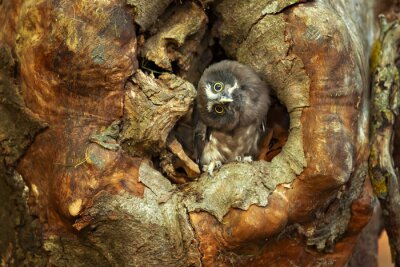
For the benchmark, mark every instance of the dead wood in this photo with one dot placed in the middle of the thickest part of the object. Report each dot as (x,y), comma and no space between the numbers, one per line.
(152,108)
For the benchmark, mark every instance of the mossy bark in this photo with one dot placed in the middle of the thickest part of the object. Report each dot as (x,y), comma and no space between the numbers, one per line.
(384,108)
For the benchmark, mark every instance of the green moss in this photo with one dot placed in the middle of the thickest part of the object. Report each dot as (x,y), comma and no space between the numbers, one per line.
(378,184)
(375,55)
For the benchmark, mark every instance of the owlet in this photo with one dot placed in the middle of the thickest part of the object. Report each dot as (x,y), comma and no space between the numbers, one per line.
(232,104)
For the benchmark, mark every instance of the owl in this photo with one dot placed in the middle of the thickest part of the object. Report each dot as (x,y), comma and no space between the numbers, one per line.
(232,104)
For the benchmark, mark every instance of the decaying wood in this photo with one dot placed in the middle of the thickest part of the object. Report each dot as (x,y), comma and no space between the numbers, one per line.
(176,159)
(186,21)
(92,174)
(273,143)
(152,107)
(384,108)
(147,12)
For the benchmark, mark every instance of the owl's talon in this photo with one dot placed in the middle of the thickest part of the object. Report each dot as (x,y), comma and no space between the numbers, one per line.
(247,159)
(210,168)
(204,168)
(238,158)
(218,164)
(214,165)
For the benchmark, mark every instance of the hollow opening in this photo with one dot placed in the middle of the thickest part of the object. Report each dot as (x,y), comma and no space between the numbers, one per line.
(182,138)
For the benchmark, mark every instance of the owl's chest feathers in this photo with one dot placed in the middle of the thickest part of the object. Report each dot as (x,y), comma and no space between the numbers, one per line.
(226,147)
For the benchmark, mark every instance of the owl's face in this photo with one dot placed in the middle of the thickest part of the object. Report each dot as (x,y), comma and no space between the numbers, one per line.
(219,100)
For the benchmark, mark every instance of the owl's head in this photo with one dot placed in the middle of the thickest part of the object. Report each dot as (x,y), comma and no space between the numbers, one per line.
(230,94)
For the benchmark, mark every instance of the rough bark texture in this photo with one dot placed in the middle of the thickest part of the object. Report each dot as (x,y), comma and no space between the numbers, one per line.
(83,129)
(20,236)
(385,106)
(152,107)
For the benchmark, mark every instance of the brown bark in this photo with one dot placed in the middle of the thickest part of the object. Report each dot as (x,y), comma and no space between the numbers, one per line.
(110,79)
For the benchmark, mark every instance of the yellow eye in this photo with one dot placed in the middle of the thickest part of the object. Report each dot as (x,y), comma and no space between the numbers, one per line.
(219,109)
(218,86)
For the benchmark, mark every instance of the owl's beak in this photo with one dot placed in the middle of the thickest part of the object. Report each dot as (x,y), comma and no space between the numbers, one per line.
(225,99)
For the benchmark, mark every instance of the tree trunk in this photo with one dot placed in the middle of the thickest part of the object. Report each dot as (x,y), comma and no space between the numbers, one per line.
(94,94)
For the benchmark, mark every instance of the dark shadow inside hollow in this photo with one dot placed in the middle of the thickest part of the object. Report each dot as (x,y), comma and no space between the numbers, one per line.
(149,67)
(396,133)
(396,143)
(277,130)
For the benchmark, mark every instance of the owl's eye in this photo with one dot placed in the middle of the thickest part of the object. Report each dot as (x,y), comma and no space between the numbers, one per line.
(219,109)
(218,86)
